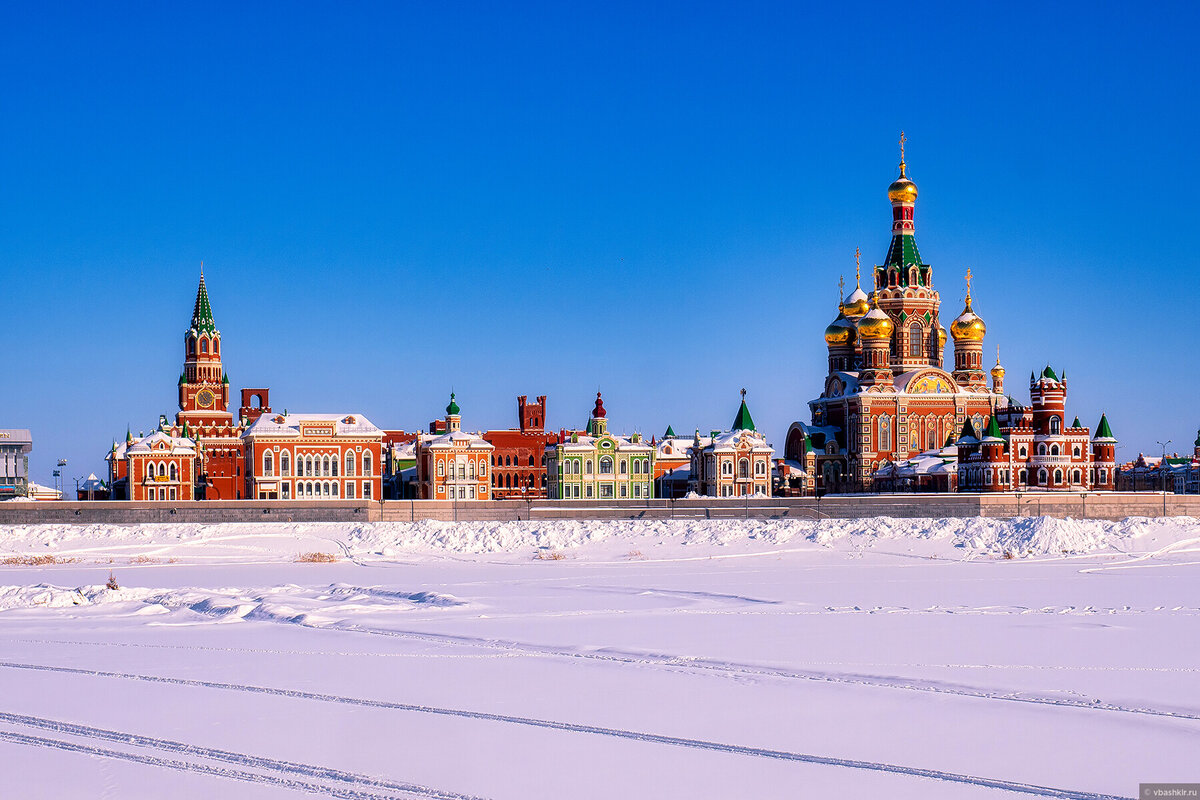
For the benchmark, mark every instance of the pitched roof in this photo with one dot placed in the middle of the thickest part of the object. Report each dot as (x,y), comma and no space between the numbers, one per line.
(743,421)
(968,433)
(993,429)
(1049,373)
(202,316)
(670,434)
(1103,431)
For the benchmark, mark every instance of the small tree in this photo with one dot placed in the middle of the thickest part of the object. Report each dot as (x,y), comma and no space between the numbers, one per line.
(112,582)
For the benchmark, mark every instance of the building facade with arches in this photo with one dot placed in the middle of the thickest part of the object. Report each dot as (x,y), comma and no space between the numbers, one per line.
(1034,449)
(313,457)
(888,396)
(518,455)
(597,465)
(733,463)
(453,465)
(160,467)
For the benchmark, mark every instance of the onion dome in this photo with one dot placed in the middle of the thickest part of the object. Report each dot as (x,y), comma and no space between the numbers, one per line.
(902,189)
(856,304)
(968,327)
(941,332)
(997,371)
(598,412)
(875,325)
(453,408)
(840,332)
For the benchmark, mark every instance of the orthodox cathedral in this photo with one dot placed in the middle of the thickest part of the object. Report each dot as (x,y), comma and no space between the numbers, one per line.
(887,396)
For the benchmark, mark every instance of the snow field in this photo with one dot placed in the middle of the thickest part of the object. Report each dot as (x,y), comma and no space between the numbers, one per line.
(732,658)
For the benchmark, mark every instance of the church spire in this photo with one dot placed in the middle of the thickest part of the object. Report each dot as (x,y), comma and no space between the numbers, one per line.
(903,252)
(202,316)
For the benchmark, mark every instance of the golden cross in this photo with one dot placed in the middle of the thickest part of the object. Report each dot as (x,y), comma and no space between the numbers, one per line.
(841,287)
(903,139)
(857,274)
(968,281)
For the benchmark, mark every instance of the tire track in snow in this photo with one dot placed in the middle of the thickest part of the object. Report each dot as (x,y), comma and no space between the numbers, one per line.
(344,793)
(639,736)
(634,658)
(238,759)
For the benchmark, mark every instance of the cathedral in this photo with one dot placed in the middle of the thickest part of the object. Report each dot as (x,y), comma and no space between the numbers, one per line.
(887,395)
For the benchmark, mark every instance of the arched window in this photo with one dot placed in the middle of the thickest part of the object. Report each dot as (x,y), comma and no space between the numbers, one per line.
(441,468)
(726,467)
(1023,476)
(367,464)
(916,341)
(333,465)
(760,468)
(268,464)
(885,433)
(624,466)
(1104,476)
(333,489)
(531,461)
(587,469)
(1076,451)
(162,468)
(462,471)
(1043,476)
(606,465)
(1041,449)
(349,464)
(204,345)
(508,481)
(1058,476)
(1053,449)
(744,468)
(1076,476)
(482,468)
(1055,424)
(285,464)
(508,461)
(150,469)
(471,469)
(1023,452)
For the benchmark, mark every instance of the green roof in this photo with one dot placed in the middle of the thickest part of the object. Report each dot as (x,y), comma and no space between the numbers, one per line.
(453,407)
(1075,424)
(202,316)
(1102,430)
(968,430)
(903,252)
(670,434)
(993,427)
(743,421)
(1049,373)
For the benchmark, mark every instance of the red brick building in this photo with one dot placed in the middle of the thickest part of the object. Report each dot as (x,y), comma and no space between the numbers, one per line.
(518,466)
(313,457)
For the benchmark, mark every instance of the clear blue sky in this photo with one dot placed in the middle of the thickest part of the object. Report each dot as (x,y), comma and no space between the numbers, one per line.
(395,199)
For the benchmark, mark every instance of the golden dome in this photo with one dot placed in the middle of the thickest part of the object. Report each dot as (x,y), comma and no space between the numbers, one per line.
(997,371)
(857,304)
(902,189)
(968,327)
(840,332)
(941,337)
(876,325)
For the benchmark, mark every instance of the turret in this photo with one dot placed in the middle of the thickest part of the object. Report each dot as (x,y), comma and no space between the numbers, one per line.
(1104,455)
(875,332)
(453,417)
(998,375)
(1048,397)
(968,330)
(598,424)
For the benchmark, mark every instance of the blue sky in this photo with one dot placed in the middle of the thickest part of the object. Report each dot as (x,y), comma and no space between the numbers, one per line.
(395,199)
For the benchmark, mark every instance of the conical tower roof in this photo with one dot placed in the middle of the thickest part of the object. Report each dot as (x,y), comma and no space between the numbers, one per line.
(202,316)
(1103,431)
(670,434)
(743,421)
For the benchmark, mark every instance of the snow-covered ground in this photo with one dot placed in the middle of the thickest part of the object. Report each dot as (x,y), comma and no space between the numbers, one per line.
(666,659)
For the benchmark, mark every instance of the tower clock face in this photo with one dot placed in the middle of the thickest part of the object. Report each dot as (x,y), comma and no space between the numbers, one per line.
(205,398)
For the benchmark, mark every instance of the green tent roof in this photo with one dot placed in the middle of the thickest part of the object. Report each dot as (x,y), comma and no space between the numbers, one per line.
(1075,424)
(903,252)
(968,431)
(202,316)
(993,428)
(670,434)
(1102,430)
(1049,373)
(743,421)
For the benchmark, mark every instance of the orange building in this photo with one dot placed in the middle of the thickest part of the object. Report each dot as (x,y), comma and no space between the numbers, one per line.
(161,467)
(313,457)
(453,465)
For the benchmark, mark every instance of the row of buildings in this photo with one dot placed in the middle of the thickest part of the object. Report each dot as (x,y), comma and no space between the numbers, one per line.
(891,416)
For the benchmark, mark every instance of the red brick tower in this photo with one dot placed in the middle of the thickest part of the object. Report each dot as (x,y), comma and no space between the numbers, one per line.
(1104,456)
(203,386)
(531,416)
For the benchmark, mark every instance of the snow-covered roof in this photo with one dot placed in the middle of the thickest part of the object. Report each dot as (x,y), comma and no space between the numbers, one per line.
(475,441)
(734,440)
(679,447)
(588,443)
(163,442)
(289,425)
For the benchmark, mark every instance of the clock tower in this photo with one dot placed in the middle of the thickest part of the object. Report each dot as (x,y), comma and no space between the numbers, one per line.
(203,385)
